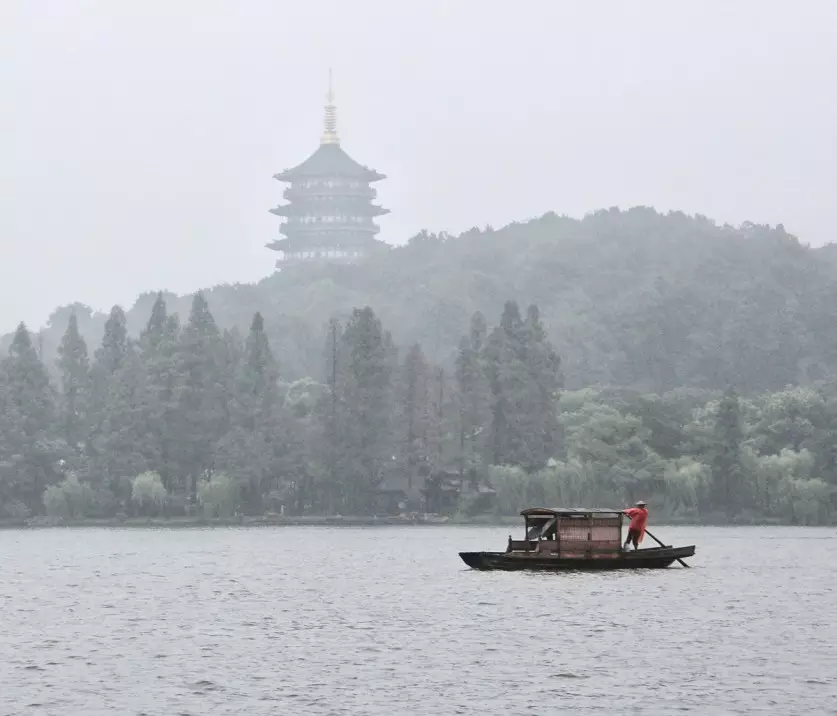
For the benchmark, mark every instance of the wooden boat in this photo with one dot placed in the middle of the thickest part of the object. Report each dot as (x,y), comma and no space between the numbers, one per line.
(565,538)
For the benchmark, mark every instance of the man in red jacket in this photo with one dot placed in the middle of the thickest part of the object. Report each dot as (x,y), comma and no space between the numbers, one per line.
(639,518)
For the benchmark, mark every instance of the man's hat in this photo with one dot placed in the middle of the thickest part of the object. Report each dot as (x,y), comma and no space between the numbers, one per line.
(640,504)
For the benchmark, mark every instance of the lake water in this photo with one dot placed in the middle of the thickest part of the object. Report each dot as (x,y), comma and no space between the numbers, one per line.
(305,620)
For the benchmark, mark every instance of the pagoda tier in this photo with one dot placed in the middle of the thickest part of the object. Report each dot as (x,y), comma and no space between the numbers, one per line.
(311,212)
(329,214)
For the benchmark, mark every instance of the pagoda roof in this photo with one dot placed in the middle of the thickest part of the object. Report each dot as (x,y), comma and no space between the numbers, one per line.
(330,160)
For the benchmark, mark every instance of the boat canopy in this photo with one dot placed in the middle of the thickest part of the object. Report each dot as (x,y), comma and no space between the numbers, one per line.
(567,511)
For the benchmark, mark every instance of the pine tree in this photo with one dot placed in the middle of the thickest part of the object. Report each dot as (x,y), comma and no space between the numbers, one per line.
(74,367)
(257,382)
(199,395)
(507,380)
(478,332)
(114,347)
(158,351)
(473,399)
(367,402)
(128,444)
(28,408)
(231,353)
(539,423)
(253,449)
(158,325)
(108,359)
(441,421)
(414,414)
(331,413)
(12,482)
(727,472)
(524,377)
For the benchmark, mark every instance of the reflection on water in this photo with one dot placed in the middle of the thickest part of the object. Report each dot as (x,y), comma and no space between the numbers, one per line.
(388,620)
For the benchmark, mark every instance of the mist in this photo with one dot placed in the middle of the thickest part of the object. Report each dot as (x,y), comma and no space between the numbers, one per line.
(139,139)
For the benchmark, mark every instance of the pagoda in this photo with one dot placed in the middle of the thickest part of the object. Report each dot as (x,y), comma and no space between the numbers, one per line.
(329,214)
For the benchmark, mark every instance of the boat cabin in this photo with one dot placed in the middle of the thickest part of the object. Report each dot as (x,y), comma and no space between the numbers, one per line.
(569,532)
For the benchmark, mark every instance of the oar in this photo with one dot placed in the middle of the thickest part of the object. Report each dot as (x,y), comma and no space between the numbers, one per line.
(664,545)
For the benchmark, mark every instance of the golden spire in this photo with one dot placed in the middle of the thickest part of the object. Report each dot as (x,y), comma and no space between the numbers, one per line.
(330,128)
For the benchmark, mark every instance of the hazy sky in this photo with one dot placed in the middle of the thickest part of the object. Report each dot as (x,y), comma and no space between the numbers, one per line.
(138,138)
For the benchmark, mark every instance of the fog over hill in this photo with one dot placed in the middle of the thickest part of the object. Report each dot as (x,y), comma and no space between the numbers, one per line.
(631,298)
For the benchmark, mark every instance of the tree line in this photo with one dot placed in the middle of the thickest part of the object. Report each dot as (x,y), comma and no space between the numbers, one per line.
(694,455)
(190,418)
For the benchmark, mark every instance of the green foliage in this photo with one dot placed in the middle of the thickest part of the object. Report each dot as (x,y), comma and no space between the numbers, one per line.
(29,450)
(255,445)
(126,442)
(148,492)
(74,368)
(728,480)
(414,424)
(654,316)
(524,380)
(363,396)
(114,345)
(473,398)
(69,498)
(159,352)
(14,510)
(199,395)
(219,496)
(108,360)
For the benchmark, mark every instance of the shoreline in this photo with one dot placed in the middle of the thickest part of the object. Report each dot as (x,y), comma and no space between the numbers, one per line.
(331,521)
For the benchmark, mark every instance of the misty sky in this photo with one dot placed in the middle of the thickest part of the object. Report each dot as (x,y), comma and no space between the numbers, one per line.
(138,139)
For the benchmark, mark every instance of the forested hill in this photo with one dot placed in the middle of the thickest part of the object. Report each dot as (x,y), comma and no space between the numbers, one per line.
(631,298)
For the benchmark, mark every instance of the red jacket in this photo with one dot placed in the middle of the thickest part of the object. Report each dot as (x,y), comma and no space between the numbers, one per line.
(639,518)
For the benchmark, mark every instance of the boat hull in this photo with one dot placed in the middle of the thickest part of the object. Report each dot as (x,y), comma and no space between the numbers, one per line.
(654,558)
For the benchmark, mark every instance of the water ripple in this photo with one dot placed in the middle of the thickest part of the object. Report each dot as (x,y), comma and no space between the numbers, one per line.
(380,621)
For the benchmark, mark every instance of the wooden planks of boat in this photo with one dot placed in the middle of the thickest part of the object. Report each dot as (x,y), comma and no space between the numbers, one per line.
(651,558)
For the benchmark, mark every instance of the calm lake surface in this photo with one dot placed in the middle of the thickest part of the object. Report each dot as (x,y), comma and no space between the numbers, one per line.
(307,620)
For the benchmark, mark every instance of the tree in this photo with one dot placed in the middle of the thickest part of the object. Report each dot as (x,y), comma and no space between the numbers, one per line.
(28,447)
(218,495)
(157,328)
(256,451)
(71,498)
(114,348)
(538,421)
(506,377)
(331,414)
(128,443)
(524,379)
(414,415)
(74,367)
(158,352)
(366,402)
(108,360)
(199,395)
(148,492)
(473,399)
(728,492)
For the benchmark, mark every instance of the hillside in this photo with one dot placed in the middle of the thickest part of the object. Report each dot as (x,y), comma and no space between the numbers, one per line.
(630,298)
(625,355)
